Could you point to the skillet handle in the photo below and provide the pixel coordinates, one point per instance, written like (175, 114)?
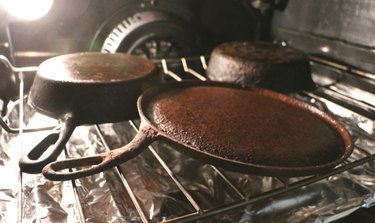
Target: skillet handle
(33, 162)
(98, 163)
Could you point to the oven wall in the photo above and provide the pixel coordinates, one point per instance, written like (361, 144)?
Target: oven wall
(339, 30)
(73, 26)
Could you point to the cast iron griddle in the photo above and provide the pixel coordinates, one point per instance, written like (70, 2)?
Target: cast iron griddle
(253, 126)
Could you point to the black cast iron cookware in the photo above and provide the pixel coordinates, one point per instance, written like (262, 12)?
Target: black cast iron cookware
(248, 130)
(84, 88)
(279, 68)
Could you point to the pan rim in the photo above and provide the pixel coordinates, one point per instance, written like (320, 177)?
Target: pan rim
(39, 74)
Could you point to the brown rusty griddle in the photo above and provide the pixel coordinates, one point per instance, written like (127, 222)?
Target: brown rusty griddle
(248, 130)
(85, 88)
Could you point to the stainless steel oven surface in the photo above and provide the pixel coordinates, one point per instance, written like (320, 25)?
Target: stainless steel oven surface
(161, 184)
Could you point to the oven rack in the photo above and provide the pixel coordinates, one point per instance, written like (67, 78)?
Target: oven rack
(288, 185)
(244, 201)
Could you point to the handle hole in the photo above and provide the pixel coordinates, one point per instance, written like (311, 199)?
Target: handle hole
(43, 148)
(78, 164)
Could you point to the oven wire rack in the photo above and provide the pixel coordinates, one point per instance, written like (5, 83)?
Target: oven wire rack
(199, 213)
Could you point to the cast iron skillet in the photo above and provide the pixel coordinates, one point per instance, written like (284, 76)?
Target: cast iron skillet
(248, 130)
(84, 88)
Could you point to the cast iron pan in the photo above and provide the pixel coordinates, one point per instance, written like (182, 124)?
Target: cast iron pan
(84, 88)
(248, 130)
(282, 69)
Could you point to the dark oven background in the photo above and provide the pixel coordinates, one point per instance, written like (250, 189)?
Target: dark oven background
(185, 27)
(339, 30)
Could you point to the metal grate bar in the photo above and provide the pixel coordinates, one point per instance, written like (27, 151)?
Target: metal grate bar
(21, 127)
(203, 62)
(168, 72)
(191, 71)
(19, 71)
(343, 67)
(276, 192)
(8, 64)
(170, 173)
(347, 123)
(11, 130)
(363, 151)
(284, 181)
(231, 185)
(77, 203)
(342, 97)
(140, 211)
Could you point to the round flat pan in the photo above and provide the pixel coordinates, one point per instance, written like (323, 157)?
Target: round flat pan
(248, 130)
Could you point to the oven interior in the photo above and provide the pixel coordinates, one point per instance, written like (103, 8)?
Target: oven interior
(161, 184)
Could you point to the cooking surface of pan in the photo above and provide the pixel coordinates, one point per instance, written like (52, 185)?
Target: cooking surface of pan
(253, 126)
(91, 86)
(91, 67)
